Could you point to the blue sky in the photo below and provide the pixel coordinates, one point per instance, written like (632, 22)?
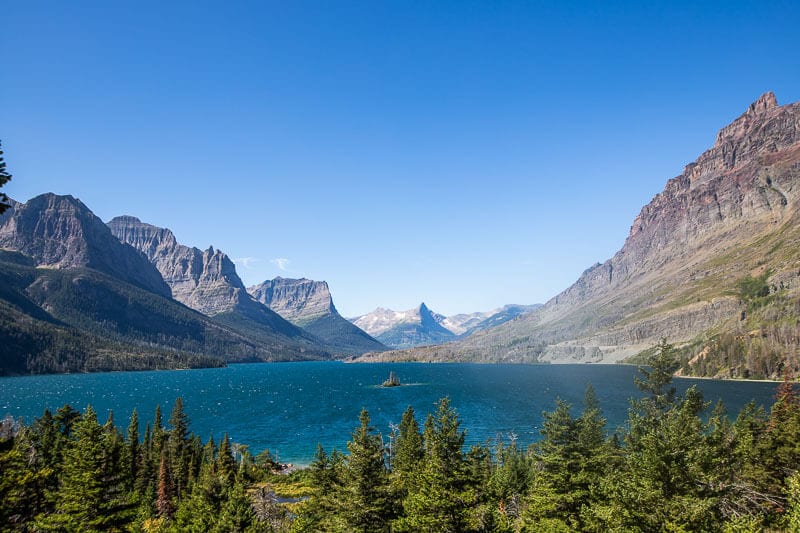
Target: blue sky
(464, 154)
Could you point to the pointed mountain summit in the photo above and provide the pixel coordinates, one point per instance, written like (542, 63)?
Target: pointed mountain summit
(206, 280)
(730, 217)
(465, 324)
(404, 329)
(309, 305)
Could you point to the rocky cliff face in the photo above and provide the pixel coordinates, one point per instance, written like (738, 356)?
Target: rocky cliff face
(73, 298)
(296, 300)
(308, 304)
(61, 232)
(404, 329)
(732, 212)
(204, 280)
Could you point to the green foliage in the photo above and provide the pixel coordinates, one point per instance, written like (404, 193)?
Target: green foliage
(750, 289)
(364, 497)
(5, 177)
(440, 496)
(672, 468)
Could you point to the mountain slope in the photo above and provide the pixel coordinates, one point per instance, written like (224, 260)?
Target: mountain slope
(732, 213)
(308, 304)
(465, 325)
(61, 232)
(73, 298)
(206, 281)
(404, 329)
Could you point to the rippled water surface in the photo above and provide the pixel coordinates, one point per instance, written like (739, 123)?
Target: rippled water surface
(290, 407)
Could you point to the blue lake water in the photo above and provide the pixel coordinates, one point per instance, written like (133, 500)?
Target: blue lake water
(290, 407)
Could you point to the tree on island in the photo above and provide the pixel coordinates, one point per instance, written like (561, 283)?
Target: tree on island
(5, 177)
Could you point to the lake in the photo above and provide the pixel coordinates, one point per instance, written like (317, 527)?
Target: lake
(290, 407)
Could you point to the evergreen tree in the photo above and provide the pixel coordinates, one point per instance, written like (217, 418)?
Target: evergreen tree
(407, 453)
(321, 511)
(133, 449)
(80, 503)
(199, 510)
(510, 480)
(365, 498)
(226, 465)
(5, 177)
(657, 376)
(177, 438)
(23, 481)
(664, 482)
(164, 501)
(237, 514)
(553, 503)
(439, 499)
(115, 476)
(146, 474)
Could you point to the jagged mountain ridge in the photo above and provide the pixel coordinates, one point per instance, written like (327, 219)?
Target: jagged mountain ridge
(72, 300)
(308, 304)
(404, 329)
(465, 324)
(730, 213)
(206, 280)
(421, 326)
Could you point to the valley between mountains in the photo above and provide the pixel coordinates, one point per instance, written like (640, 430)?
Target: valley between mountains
(712, 264)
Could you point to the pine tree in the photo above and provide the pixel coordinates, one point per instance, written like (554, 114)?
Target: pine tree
(322, 511)
(657, 376)
(5, 177)
(553, 503)
(439, 499)
(365, 498)
(133, 449)
(178, 434)
(80, 503)
(23, 481)
(407, 453)
(664, 482)
(226, 465)
(164, 497)
(237, 514)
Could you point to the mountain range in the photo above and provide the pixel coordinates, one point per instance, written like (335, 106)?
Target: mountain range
(712, 264)
(309, 305)
(79, 295)
(686, 272)
(421, 326)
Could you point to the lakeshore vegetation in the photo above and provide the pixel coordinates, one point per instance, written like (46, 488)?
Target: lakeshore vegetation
(676, 466)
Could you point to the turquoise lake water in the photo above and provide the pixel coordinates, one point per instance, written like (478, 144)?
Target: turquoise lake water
(290, 407)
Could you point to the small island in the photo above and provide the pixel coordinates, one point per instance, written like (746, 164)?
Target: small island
(392, 381)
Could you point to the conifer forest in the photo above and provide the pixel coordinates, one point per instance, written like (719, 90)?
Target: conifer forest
(678, 464)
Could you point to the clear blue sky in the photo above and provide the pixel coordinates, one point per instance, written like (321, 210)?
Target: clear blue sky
(465, 154)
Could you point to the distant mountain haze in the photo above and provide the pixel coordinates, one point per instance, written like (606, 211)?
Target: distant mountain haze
(421, 326)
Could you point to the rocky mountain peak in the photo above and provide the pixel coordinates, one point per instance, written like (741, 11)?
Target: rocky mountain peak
(204, 280)
(763, 121)
(296, 300)
(765, 101)
(673, 276)
(61, 232)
